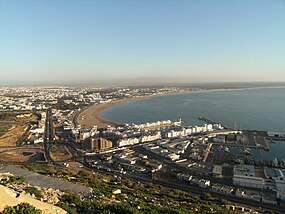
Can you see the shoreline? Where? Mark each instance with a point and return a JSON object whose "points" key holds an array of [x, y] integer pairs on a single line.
{"points": [[91, 116]]}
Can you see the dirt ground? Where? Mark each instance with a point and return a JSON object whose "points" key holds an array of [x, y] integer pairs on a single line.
{"points": [[21, 155], [12, 135], [8, 198], [13, 126], [60, 153]]}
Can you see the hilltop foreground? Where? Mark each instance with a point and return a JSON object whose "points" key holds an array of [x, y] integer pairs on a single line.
{"points": [[109, 195]]}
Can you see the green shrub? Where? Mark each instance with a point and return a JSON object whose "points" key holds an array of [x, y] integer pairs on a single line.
{"points": [[16, 180], [22, 208], [35, 191]]}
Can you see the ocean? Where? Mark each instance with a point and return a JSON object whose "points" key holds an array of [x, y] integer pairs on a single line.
{"points": [[254, 109], [249, 109]]}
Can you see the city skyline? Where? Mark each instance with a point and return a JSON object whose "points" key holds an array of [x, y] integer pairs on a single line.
{"points": [[68, 42]]}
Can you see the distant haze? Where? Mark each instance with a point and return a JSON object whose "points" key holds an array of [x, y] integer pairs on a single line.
{"points": [[136, 42]]}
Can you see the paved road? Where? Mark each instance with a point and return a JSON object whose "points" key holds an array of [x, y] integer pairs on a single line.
{"points": [[49, 135]]}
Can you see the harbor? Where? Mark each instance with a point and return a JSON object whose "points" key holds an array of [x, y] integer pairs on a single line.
{"points": [[261, 148], [257, 148]]}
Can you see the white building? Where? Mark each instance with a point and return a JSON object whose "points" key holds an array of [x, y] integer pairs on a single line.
{"points": [[204, 183], [39, 140], [245, 175], [184, 177], [128, 142], [88, 133], [278, 176], [150, 137], [222, 189]]}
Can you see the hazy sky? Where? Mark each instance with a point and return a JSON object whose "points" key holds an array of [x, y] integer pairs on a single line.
{"points": [[56, 41]]}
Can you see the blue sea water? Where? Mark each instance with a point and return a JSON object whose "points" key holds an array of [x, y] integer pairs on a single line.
{"points": [[255, 109]]}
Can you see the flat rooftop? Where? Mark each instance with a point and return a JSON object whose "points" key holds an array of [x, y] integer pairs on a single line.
{"points": [[274, 173]]}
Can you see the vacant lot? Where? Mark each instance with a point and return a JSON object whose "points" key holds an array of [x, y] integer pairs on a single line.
{"points": [[21, 155], [13, 126], [12, 135], [4, 127], [60, 153]]}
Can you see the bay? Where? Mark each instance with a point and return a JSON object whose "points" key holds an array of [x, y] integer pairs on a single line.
{"points": [[250, 109], [255, 109]]}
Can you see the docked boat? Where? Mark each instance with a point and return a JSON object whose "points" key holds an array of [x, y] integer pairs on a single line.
{"points": [[226, 149], [247, 151]]}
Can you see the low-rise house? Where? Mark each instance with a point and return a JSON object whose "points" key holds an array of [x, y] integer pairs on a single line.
{"points": [[204, 183]]}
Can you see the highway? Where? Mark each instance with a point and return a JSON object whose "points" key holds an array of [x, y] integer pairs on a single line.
{"points": [[49, 135], [49, 139]]}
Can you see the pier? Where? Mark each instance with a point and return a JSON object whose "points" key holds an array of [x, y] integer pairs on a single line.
{"points": [[237, 145], [207, 120], [256, 138], [272, 139]]}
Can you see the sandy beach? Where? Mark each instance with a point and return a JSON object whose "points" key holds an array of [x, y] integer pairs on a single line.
{"points": [[92, 115]]}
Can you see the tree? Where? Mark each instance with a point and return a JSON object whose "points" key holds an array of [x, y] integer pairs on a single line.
{"points": [[22, 208]]}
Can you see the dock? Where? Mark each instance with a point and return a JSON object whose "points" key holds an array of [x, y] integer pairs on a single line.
{"points": [[207, 120]]}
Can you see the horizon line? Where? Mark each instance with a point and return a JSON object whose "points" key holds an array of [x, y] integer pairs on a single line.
{"points": [[181, 84]]}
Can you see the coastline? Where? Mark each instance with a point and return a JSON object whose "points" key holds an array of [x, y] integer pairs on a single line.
{"points": [[91, 116]]}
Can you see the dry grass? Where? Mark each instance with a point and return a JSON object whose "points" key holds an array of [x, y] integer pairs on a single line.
{"points": [[60, 153], [4, 127], [12, 135], [13, 126], [21, 155]]}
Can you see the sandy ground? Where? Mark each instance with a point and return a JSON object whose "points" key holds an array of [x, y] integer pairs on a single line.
{"points": [[92, 115], [20, 155], [12, 135], [60, 153], [13, 126], [8, 198]]}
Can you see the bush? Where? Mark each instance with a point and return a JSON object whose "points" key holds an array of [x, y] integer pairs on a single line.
{"points": [[120, 208], [71, 198], [67, 208], [22, 208], [16, 179], [35, 191]]}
